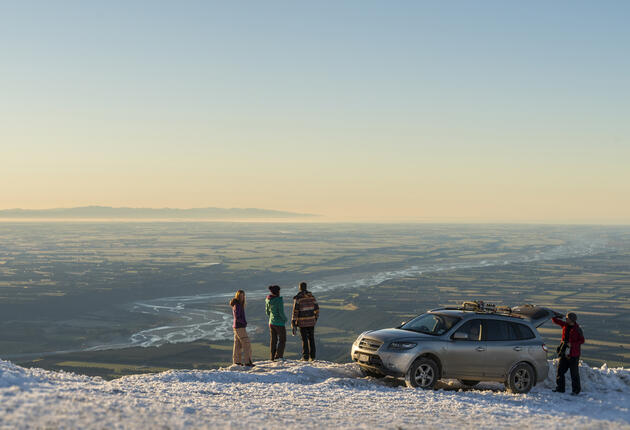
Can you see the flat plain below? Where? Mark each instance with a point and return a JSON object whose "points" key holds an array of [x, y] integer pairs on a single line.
{"points": [[68, 290]]}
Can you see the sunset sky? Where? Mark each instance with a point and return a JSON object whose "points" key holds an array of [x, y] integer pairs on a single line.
{"points": [[356, 110]]}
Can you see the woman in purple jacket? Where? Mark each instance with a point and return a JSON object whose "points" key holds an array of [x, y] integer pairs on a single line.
{"points": [[242, 353]]}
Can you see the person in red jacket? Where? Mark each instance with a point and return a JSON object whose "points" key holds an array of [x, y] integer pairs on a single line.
{"points": [[569, 353]]}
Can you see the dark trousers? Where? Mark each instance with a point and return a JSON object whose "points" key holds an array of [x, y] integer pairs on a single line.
{"points": [[568, 364], [308, 342], [278, 341]]}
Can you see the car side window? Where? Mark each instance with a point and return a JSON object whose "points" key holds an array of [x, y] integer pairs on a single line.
{"points": [[522, 332], [496, 330], [472, 330]]}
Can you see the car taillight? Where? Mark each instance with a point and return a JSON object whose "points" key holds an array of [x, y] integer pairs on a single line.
{"points": [[544, 347]]}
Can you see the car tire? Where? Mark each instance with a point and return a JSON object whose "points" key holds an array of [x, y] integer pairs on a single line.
{"points": [[370, 373], [521, 379], [423, 373], [468, 382]]}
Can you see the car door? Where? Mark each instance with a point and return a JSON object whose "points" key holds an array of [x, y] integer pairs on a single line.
{"points": [[464, 358], [504, 347]]}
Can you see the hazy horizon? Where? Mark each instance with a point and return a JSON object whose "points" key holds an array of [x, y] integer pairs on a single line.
{"points": [[356, 111], [284, 217], [311, 219]]}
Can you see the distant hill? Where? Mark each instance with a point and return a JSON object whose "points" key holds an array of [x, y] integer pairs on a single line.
{"points": [[149, 213]]}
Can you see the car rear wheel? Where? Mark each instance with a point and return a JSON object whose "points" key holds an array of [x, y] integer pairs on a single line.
{"points": [[521, 379], [423, 373], [468, 382]]}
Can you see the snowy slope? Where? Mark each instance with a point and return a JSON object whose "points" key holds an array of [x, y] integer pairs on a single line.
{"points": [[297, 395]]}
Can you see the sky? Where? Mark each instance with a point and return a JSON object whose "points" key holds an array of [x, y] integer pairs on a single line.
{"points": [[460, 111]]}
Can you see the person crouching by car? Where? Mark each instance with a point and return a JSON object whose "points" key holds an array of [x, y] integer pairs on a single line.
{"points": [[274, 307], [305, 314], [569, 353], [242, 352]]}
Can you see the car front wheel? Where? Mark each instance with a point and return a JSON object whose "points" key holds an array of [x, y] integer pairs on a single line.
{"points": [[521, 379], [423, 373]]}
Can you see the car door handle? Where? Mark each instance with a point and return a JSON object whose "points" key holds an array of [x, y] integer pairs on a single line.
{"points": [[480, 349], [518, 348]]}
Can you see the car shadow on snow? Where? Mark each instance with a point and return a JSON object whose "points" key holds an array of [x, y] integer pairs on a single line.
{"points": [[446, 385]]}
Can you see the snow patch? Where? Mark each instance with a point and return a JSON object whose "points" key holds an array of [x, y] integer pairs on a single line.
{"points": [[593, 379], [291, 394]]}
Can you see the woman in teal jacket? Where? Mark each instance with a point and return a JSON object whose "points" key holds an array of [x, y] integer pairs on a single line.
{"points": [[274, 307]]}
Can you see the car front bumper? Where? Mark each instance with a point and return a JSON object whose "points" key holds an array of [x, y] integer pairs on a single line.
{"points": [[384, 361]]}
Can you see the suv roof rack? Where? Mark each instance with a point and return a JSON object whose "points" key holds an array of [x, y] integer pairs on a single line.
{"points": [[479, 306]]}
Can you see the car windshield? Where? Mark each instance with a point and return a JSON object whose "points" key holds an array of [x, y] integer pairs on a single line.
{"points": [[433, 324]]}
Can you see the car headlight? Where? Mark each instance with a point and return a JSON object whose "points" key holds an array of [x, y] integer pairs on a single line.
{"points": [[402, 345]]}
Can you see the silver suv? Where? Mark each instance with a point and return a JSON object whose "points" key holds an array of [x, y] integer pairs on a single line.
{"points": [[472, 343]]}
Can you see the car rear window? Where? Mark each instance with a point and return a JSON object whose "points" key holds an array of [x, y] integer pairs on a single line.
{"points": [[521, 331], [495, 330]]}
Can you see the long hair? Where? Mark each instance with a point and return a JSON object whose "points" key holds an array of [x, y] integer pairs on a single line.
{"points": [[239, 297]]}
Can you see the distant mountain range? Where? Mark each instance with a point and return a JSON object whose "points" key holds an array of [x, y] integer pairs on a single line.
{"points": [[149, 213]]}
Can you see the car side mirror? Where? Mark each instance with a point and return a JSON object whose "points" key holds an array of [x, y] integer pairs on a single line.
{"points": [[402, 324], [458, 335]]}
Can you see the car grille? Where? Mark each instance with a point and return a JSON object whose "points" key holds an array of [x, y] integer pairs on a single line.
{"points": [[369, 344], [370, 360]]}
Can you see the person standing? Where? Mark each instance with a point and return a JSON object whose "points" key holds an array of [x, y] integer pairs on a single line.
{"points": [[274, 307], [242, 352], [305, 314], [569, 353]]}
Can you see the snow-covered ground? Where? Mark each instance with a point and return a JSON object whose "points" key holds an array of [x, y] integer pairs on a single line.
{"points": [[290, 394]]}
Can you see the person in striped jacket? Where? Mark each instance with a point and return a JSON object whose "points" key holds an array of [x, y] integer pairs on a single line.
{"points": [[305, 314]]}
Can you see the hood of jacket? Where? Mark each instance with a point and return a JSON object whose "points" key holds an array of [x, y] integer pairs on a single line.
{"points": [[303, 294]]}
